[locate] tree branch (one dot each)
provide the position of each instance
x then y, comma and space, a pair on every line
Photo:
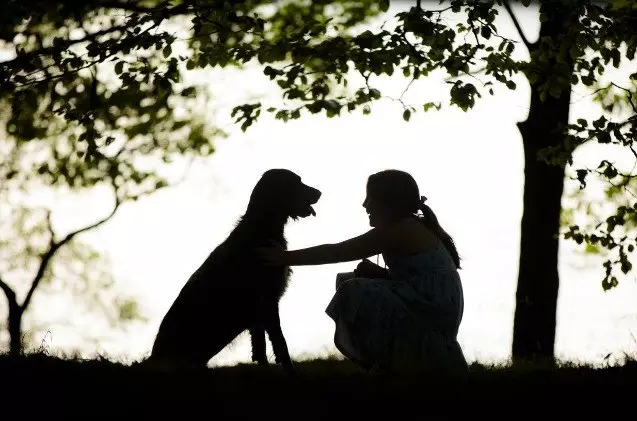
596, 91
182, 8
61, 46
52, 77
10, 294
633, 151
127, 6
472, 73
85, 66
55, 246
526, 42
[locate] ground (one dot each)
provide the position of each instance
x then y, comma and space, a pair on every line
36, 385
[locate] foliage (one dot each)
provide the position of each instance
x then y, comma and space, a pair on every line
609, 228
102, 79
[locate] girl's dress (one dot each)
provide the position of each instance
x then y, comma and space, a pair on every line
409, 320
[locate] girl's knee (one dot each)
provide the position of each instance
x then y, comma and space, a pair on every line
343, 277
351, 286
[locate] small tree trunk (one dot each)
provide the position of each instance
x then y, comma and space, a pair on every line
15, 330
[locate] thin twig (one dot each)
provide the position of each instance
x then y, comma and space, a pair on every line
630, 96
596, 91
49, 227
413, 79
517, 26
472, 73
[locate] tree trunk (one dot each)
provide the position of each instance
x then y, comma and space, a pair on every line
15, 330
15, 319
538, 279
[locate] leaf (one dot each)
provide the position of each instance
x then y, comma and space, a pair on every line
581, 177
167, 51
119, 67
591, 249
406, 115
610, 172
604, 137
384, 5
616, 57
509, 49
374, 93
485, 32
430, 105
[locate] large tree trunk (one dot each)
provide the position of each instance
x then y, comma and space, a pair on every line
538, 279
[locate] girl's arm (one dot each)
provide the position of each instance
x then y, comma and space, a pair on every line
357, 248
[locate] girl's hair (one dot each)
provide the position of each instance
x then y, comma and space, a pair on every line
398, 191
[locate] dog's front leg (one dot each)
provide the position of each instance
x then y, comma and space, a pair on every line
257, 336
279, 345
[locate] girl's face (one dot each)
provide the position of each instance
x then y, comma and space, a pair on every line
378, 214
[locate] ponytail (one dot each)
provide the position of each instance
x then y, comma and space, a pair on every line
431, 222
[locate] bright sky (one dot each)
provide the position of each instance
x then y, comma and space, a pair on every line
469, 165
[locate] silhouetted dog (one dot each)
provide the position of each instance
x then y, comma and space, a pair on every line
233, 290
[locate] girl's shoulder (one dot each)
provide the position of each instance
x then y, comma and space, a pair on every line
409, 234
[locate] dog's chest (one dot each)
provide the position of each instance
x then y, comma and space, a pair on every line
272, 281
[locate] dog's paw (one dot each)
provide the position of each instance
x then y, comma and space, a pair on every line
260, 360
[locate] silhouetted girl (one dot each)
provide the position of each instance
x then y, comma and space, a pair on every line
404, 316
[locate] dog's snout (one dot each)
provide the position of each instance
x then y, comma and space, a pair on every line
315, 194
312, 194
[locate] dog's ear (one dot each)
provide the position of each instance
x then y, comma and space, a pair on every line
268, 195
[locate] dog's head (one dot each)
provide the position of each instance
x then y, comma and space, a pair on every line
281, 193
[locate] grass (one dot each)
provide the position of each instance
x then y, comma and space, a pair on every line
320, 389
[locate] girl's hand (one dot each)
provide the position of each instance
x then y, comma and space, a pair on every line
367, 269
273, 255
